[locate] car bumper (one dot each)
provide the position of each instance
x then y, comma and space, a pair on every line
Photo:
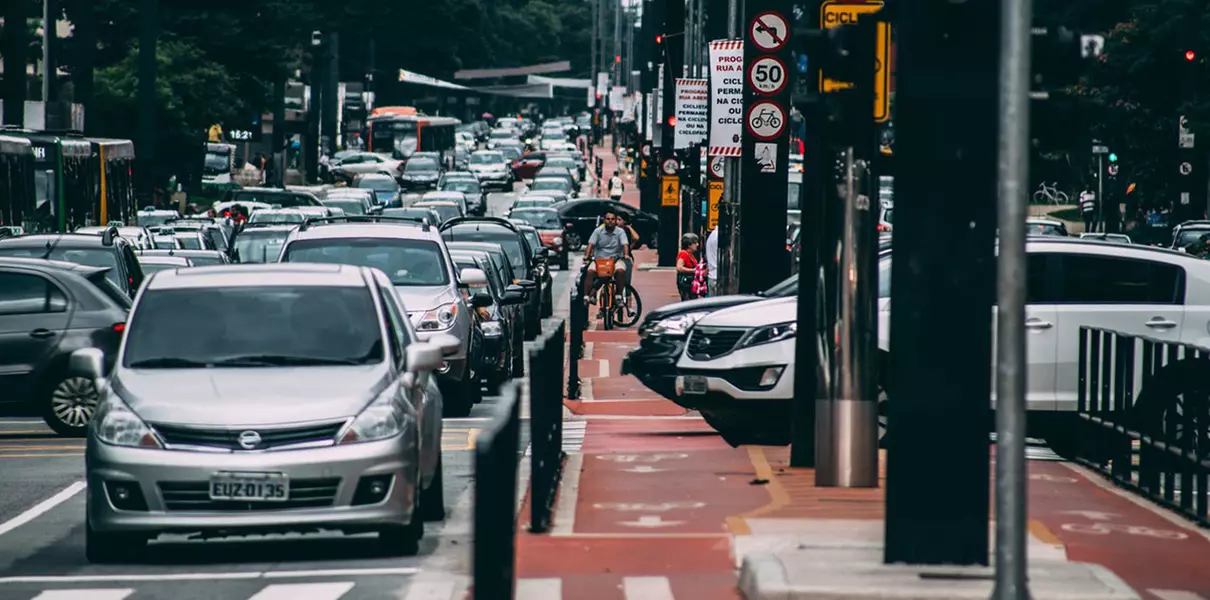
653, 363
323, 484
737, 375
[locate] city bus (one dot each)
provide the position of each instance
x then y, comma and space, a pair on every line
115, 200
65, 181
400, 131
17, 194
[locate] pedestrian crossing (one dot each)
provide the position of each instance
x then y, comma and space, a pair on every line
632, 588
573, 437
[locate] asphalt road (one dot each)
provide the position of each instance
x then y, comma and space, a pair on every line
42, 532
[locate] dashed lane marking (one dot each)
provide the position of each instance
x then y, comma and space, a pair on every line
778, 497
309, 591
603, 368
93, 594
225, 576
646, 588
540, 589
1175, 595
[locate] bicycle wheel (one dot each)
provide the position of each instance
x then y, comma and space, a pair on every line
631, 309
1061, 197
607, 307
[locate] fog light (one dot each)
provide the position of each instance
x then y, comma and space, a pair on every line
372, 489
125, 495
770, 376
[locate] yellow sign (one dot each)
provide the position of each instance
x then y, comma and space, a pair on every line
643, 168
216, 133
670, 191
716, 194
833, 14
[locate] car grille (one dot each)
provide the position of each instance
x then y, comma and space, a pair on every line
708, 343
229, 438
195, 496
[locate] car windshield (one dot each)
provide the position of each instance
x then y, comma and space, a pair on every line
190, 242
550, 184
502, 134
534, 241
406, 262
1041, 229
421, 165
277, 217
411, 213
507, 240
349, 205
206, 261
541, 219
561, 161
93, 257
285, 199
217, 163
445, 210
511, 153
1189, 236
378, 185
486, 158
886, 215
461, 185
152, 219
263, 326
252, 246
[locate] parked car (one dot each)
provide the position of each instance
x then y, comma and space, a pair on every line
111, 251
516, 247
384, 187
502, 339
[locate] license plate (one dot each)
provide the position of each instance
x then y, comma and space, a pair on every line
695, 384
250, 487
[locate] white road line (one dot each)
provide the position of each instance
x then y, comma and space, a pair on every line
431, 590
646, 588
1175, 595
96, 594
227, 576
588, 347
540, 589
639, 417
603, 367
586, 390
1171, 517
38, 509
569, 492
310, 591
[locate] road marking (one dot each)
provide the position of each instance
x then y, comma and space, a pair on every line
9, 447
650, 522
95, 594
1107, 528
1175, 595
431, 590
46, 455
1173, 518
38, 509
569, 493
227, 576
310, 591
646, 588
778, 497
586, 394
639, 507
639, 417
1043, 533
603, 368
540, 589
1093, 515
643, 469
641, 458
588, 347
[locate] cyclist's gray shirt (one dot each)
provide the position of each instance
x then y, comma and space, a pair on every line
606, 244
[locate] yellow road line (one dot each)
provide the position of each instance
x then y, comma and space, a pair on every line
1043, 533
778, 497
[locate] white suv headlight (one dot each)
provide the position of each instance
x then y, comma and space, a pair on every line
117, 425
769, 334
383, 418
678, 325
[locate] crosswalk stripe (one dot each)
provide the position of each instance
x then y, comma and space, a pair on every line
431, 590
310, 591
540, 589
1175, 595
646, 588
94, 594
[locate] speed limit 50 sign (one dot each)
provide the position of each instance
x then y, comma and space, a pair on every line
767, 75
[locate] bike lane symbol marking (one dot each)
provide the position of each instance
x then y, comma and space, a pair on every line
640, 458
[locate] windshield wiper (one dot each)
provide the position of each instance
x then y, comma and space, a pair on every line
168, 363
281, 360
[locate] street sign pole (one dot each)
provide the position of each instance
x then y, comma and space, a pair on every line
1100, 222
674, 56
944, 282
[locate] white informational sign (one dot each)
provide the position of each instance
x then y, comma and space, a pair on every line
649, 116
1186, 137
615, 97
602, 82
592, 95
726, 97
766, 156
657, 119
692, 112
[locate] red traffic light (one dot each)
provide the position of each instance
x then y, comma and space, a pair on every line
672, 121
659, 39
1190, 55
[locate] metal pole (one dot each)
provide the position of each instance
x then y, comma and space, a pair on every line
729, 204
592, 67
1099, 224
148, 33
1011, 480
48, 64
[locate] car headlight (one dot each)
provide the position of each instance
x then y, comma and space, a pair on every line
492, 328
117, 425
770, 334
437, 319
383, 418
558, 241
673, 326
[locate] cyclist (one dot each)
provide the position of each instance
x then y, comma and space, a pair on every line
607, 242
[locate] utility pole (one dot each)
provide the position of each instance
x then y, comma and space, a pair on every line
331, 96
149, 31
1190, 170
728, 207
315, 83
84, 15
592, 69
50, 49
16, 44
616, 67
674, 57
944, 270
650, 56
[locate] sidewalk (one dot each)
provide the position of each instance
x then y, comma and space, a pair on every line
656, 506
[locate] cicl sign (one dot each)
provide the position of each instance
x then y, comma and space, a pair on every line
836, 14
670, 191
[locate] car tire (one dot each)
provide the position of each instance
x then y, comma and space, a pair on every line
112, 548
432, 499
404, 540
70, 404
574, 243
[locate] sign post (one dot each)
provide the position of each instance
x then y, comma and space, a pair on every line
765, 160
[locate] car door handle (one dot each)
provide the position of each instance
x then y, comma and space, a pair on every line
41, 333
1038, 324
1160, 323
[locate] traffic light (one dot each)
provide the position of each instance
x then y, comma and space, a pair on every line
672, 120
659, 38
1190, 55
1113, 157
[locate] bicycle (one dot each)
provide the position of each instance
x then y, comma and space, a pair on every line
618, 306
1050, 194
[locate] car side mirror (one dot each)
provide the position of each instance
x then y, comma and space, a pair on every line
482, 300
448, 344
87, 362
423, 356
512, 296
527, 284
470, 277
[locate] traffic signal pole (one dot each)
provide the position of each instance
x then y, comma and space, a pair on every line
674, 57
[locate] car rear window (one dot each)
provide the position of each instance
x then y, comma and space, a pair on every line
405, 262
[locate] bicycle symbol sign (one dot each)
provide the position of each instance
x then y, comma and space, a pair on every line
767, 75
766, 119
716, 167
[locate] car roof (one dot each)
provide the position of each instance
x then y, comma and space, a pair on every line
43, 264
442, 194
260, 274
538, 208
164, 259
427, 203
365, 176
187, 253
1044, 220
383, 230
65, 240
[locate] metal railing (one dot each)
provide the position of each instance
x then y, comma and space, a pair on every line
495, 522
546, 423
1144, 417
